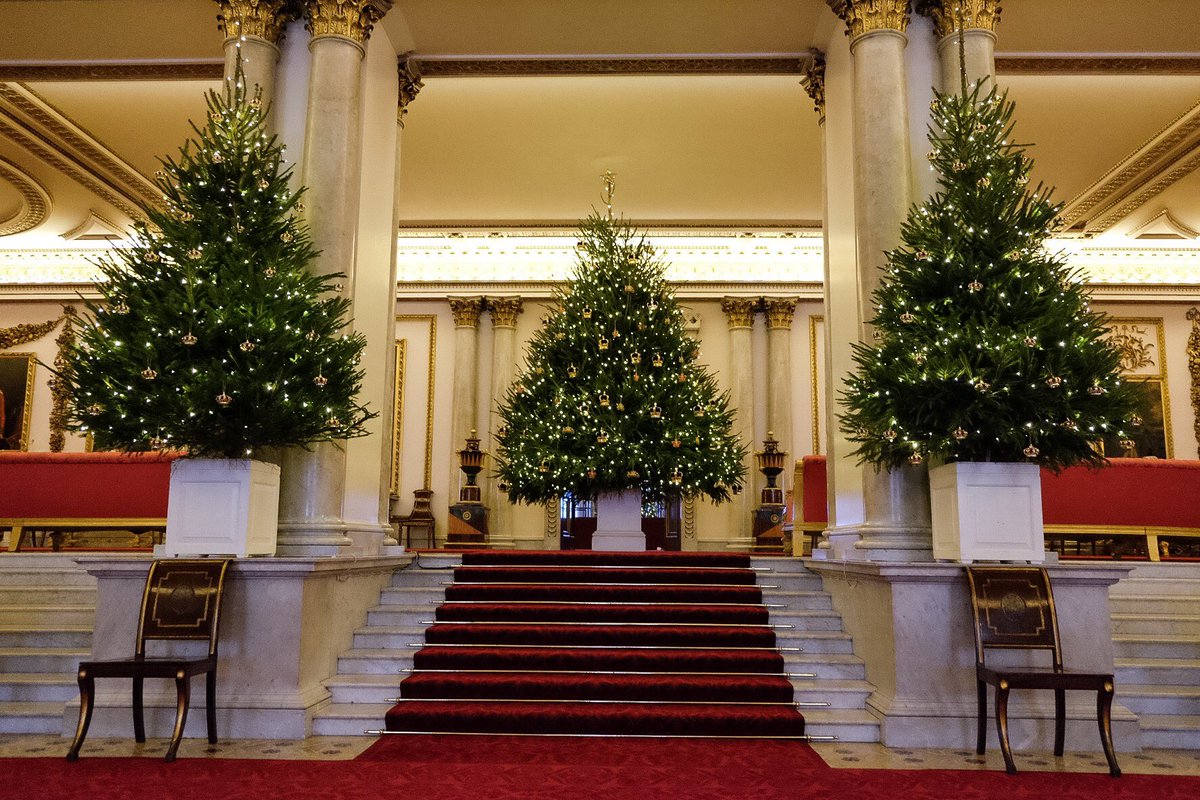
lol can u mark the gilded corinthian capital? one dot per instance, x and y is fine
(504, 311)
(350, 19)
(262, 19)
(976, 14)
(814, 82)
(740, 311)
(466, 311)
(780, 312)
(866, 16)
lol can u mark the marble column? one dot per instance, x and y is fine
(780, 311)
(740, 314)
(313, 480)
(252, 31)
(504, 312)
(896, 524)
(978, 19)
(463, 412)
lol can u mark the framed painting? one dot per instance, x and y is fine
(1140, 340)
(16, 399)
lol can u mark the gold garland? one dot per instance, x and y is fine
(26, 332)
(1193, 354)
(58, 392)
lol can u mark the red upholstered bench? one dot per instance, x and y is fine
(1145, 499)
(82, 491)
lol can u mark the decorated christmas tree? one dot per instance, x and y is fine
(211, 335)
(986, 347)
(612, 398)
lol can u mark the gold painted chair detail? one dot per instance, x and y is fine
(181, 602)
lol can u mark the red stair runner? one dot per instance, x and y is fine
(618, 644)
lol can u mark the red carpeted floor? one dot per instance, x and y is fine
(537, 768)
(652, 643)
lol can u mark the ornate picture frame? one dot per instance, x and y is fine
(17, 372)
(1142, 343)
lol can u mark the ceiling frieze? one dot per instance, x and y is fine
(1018, 64)
(34, 203)
(201, 70)
(439, 67)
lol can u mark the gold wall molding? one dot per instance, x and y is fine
(816, 322)
(504, 311)
(739, 311)
(262, 19)
(349, 19)
(397, 414)
(1142, 342)
(197, 70)
(35, 201)
(26, 406)
(1157, 164)
(1015, 64)
(976, 14)
(688, 523)
(1193, 356)
(28, 332)
(435, 67)
(814, 83)
(430, 394)
(780, 311)
(60, 398)
(50, 135)
(552, 526)
(868, 16)
(466, 311)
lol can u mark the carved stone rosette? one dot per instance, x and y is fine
(780, 312)
(740, 311)
(504, 311)
(262, 19)
(27, 332)
(349, 19)
(1193, 354)
(814, 82)
(867, 16)
(60, 398)
(466, 311)
(976, 14)
(410, 81)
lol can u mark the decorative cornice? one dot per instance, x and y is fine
(504, 311)
(410, 81)
(739, 311)
(26, 332)
(780, 312)
(262, 19)
(205, 70)
(466, 311)
(348, 19)
(867, 16)
(814, 83)
(34, 204)
(788, 64)
(1017, 64)
(976, 14)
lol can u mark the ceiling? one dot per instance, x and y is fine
(1118, 137)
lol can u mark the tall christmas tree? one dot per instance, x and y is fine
(987, 348)
(612, 397)
(212, 336)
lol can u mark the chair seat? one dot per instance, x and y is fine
(153, 667)
(1045, 678)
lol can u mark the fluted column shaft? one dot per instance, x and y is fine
(504, 312)
(252, 31)
(739, 312)
(780, 312)
(463, 411)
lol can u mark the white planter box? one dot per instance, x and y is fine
(619, 522)
(222, 507)
(987, 512)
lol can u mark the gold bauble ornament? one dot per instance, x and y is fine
(223, 399)
(975, 286)
(194, 253)
(149, 374)
(246, 346)
(1031, 451)
(960, 433)
(320, 381)
(188, 339)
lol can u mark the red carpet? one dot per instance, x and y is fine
(649, 643)
(556, 768)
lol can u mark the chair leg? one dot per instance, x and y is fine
(210, 704)
(1060, 720)
(1002, 726)
(87, 694)
(1104, 699)
(981, 743)
(183, 689)
(139, 719)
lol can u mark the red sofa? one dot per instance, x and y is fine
(1144, 499)
(82, 491)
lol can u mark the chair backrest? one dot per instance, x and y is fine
(182, 600)
(1013, 609)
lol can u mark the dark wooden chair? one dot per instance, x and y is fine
(182, 601)
(1014, 610)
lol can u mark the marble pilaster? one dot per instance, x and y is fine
(504, 312)
(978, 19)
(739, 312)
(780, 311)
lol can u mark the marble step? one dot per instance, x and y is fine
(1157, 646)
(46, 595)
(805, 599)
(58, 660)
(1153, 604)
(412, 595)
(1161, 700)
(396, 637)
(349, 719)
(847, 724)
(72, 636)
(826, 666)
(12, 576)
(38, 687)
(375, 661)
(1163, 623)
(22, 717)
(49, 615)
(1172, 732)
(1156, 671)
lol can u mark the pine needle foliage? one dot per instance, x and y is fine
(211, 335)
(612, 397)
(987, 348)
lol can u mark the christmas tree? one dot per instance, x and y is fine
(612, 397)
(986, 348)
(211, 335)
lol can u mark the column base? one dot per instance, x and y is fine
(314, 539)
(867, 542)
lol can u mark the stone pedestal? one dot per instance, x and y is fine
(283, 624)
(619, 522)
(911, 624)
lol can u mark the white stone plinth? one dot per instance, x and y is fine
(222, 506)
(619, 522)
(987, 511)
